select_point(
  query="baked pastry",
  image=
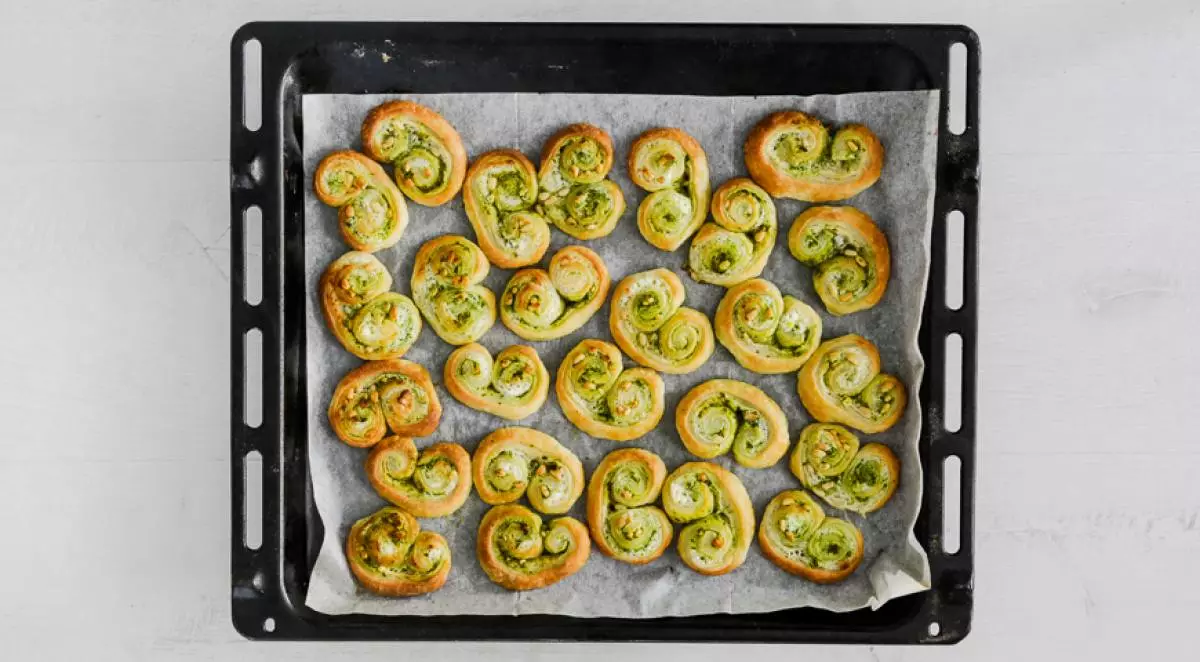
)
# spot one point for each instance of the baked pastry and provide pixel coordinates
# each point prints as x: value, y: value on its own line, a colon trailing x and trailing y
x: 650, y: 324
x: 371, y: 212
x: 841, y: 383
x: 362, y: 312
x: 512, y: 386
x: 848, y: 254
x: 427, y: 152
x: 736, y: 245
x: 432, y: 483
x: 796, y: 535
x: 575, y: 196
x: 514, y: 461
x: 766, y: 331
x: 672, y: 166
x: 724, y: 414
x: 447, y: 285
x: 382, y: 395
x: 544, y: 304
x: 499, y: 200
x: 517, y: 551
x: 390, y: 555
x: 717, y: 515
x: 624, y: 521
x: 603, y: 399
x: 828, y: 461
x: 791, y: 155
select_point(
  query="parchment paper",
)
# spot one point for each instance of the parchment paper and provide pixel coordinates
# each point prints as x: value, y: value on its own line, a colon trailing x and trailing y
x: 901, y: 203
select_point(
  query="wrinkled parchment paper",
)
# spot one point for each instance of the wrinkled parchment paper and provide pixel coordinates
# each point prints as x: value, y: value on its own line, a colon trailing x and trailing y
x: 901, y: 203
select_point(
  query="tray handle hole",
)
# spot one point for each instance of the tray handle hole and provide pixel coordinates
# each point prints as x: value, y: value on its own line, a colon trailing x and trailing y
x: 958, y: 89
x: 951, y: 504
x: 952, y: 385
x: 955, y: 242
x: 252, y: 255
x: 934, y: 629
x: 252, y: 373
x: 269, y: 625
x: 252, y: 502
x: 252, y: 84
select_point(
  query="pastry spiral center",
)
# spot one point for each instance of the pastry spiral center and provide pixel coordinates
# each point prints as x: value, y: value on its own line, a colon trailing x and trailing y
x: 520, y: 539
x: 680, y: 338
x: 757, y: 315
x: 744, y: 210
x: 709, y: 541
x: 573, y: 275
x: 800, y: 146
x: 436, y: 476
x: 795, y: 522
x: 583, y: 160
x: 508, y: 471
x: 833, y: 545
x: 630, y: 399
x: 633, y: 529
x: 668, y: 210
x: 551, y: 486
x: 829, y: 449
x: 515, y: 378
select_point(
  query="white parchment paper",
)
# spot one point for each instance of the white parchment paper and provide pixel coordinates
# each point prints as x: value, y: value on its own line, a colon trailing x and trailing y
x: 901, y: 203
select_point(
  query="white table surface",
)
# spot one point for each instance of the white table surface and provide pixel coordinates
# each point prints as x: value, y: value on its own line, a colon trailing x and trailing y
x: 114, y: 449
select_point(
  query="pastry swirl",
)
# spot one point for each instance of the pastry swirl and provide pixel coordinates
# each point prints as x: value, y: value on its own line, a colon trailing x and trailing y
x: 545, y: 304
x: 512, y: 386
x: 390, y: 555
x: 848, y: 254
x: 828, y: 461
x: 735, y: 247
x: 766, y: 331
x: 623, y: 519
x: 724, y: 414
x: 362, y: 312
x: 499, y: 199
x: 841, y: 383
x: 575, y: 196
x: 447, y: 285
x: 382, y: 395
x: 796, y: 535
x: 791, y: 155
x: 520, y: 553
x: 604, y: 399
x: 516, y: 461
x: 432, y: 483
x: 717, y: 515
x: 672, y: 167
x: 427, y: 152
x: 372, y: 214
x: 650, y: 324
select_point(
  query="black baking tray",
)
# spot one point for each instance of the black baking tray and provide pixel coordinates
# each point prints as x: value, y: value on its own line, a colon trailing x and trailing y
x: 269, y: 583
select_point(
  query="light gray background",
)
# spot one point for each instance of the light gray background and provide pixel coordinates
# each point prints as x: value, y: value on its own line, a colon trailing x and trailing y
x: 114, y: 342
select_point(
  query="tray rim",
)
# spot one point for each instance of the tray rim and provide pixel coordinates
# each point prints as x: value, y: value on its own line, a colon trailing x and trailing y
x: 263, y: 584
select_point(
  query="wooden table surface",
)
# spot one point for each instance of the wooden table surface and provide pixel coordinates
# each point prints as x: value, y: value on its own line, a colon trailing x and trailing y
x: 114, y: 449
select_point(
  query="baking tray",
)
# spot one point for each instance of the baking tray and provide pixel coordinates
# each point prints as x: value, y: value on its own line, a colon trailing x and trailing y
x: 269, y: 581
